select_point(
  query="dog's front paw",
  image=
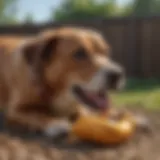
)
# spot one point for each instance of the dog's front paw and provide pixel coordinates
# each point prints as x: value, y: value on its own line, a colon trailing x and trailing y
x: 57, y: 128
x: 143, y: 123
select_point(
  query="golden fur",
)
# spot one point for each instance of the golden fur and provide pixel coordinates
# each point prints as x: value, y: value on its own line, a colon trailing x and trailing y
x: 37, y: 74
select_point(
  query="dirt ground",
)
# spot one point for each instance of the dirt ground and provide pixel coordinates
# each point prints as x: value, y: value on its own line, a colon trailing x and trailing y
x: 143, y: 146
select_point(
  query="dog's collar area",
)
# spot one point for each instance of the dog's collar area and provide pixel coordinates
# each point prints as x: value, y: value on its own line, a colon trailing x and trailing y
x: 94, y: 100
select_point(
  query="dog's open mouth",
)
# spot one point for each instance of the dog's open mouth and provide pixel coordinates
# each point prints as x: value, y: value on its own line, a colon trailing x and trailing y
x: 98, y: 100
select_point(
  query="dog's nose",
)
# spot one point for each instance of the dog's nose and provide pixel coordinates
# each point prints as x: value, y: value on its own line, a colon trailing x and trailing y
x: 115, y: 79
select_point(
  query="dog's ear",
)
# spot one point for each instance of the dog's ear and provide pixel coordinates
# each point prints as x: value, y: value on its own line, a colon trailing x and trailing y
x: 37, y: 53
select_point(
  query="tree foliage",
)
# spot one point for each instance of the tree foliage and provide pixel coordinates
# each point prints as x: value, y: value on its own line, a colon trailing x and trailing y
x: 146, y: 7
x: 142, y: 8
x: 28, y: 19
x: 87, y: 9
x: 8, y: 11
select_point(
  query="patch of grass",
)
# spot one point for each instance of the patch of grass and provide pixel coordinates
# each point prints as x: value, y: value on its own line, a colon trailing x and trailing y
x: 139, y: 92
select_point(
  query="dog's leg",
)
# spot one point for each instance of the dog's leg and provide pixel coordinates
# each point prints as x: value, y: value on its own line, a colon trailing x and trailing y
x: 63, y: 125
x: 38, y: 118
x: 36, y: 121
x: 34, y: 117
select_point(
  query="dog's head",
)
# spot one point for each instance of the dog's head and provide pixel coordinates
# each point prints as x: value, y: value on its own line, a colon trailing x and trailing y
x: 74, y: 63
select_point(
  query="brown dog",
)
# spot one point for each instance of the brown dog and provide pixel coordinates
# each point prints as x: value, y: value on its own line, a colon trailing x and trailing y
x: 50, y: 79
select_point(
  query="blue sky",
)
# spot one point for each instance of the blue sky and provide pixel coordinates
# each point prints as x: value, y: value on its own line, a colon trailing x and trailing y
x: 40, y: 9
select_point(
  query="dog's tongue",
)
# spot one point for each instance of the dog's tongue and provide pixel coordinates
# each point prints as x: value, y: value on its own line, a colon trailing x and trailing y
x: 101, y: 102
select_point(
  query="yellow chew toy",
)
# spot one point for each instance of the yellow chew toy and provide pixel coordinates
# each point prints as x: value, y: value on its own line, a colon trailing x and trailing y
x: 104, y: 131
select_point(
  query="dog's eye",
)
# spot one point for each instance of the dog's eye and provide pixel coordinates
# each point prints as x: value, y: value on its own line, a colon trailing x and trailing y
x: 80, y: 54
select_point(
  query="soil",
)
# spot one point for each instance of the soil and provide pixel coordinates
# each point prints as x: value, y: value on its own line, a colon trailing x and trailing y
x: 145, y: 145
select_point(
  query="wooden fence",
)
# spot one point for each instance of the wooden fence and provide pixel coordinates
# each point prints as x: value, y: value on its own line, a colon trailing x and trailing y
x: 135, y: 42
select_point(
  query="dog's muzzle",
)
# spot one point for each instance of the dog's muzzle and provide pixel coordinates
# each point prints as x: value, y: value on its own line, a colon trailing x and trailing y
x: 115, y: 80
